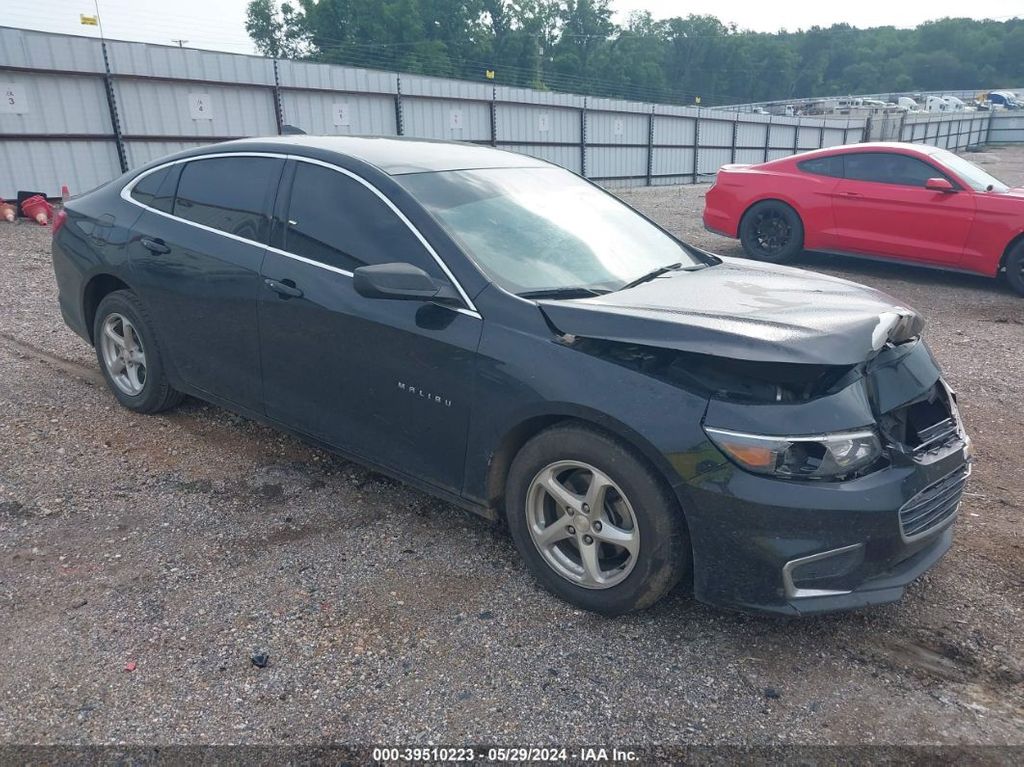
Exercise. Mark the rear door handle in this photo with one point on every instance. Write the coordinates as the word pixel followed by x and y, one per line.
pixel 284 288
pixel 155 245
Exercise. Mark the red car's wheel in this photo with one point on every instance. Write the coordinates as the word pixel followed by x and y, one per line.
pixel 1015 268
pixel 772 231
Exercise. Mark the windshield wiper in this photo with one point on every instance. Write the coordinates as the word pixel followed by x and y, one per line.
pixel 570 292
pixel 651 275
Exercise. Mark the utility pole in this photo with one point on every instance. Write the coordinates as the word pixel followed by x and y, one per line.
pixel 181 43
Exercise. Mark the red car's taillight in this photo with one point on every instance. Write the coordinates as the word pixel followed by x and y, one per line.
pixel 58 221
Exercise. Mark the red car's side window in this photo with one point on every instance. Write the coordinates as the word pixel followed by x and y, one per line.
pixel 890 168
pixel 823 166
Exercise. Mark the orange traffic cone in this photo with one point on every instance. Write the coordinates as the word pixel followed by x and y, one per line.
pixel 6 211
pixel 38 208
pixel 65 193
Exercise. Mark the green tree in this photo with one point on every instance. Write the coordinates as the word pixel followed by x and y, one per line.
pixel 574 45
pixel 275 33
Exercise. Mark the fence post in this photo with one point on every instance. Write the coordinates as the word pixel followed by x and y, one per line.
pixel 494 116
pixel 735 137
pixel 583 138
pixel 821 134
pixel 399 124
pixel 115 121
pixel 903 123
pixel 988 129
pixel 696 144
pixel 767 137
pixel 796 136
pixel 866 131
pixel 278 109
pixel 846 132
pixel 650 145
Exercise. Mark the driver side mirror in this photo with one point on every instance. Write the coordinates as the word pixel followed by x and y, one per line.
pixel 400 281
pixel 939 185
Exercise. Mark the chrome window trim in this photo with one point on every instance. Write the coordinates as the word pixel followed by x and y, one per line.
pixel 126 192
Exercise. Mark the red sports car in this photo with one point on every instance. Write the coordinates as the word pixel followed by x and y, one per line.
pixel 906 202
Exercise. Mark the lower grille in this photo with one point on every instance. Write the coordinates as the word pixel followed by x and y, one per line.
pixel 933 505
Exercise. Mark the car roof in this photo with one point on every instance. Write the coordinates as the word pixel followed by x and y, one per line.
pixel 394 156
pixel 868 146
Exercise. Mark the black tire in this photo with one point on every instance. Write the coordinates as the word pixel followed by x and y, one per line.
pixel 772 231
pixel 1015 268
pixel 663 552
pixel 156 393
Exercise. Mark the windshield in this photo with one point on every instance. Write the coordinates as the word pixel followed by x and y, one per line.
pixel 541 229
pixel 972 175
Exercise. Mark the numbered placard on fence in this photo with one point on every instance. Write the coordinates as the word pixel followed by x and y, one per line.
pixel 199 106
pixel 13 101
pixel 342 114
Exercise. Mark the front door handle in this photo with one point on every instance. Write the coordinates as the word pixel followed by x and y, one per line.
pixel 851 194
pixel 155 245
pixel 284 288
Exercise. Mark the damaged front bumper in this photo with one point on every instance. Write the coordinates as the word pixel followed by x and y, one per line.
pixel 800 547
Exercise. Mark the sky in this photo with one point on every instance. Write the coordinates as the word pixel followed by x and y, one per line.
pixel 220 24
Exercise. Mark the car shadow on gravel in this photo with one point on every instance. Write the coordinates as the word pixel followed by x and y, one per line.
pixel 868 269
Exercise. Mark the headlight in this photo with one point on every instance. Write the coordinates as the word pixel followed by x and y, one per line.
pixel 823 456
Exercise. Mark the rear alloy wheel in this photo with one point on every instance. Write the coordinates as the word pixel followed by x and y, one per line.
pixel 1015 268
pixel 129 355
pixel 596 526
pixel 123 354
pixel 772 231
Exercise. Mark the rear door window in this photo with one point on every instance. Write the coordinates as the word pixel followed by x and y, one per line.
pixel 823 166
pixel 335 220
pixel 157 188
pixel 889 168
pixel 231 194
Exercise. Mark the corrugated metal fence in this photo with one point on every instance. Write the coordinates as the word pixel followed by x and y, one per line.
pixel 77 112
pixel 953 130
pixel 1006 128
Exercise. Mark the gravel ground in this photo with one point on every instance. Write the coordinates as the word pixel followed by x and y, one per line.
pixel 178 545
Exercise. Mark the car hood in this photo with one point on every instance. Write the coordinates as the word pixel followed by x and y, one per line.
pixel 745 310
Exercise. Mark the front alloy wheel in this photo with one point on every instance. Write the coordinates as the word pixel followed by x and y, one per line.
pixel 583 524
pixel 594 522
